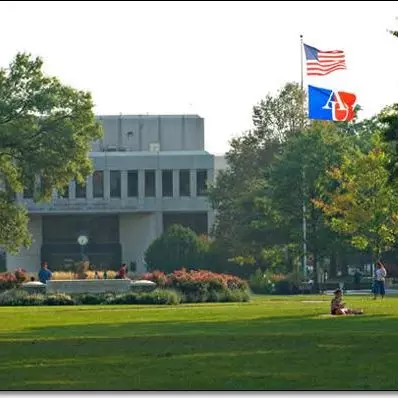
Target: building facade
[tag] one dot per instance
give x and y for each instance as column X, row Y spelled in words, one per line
column 150, row 172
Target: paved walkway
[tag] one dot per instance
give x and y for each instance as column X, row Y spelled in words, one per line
column 389, row 292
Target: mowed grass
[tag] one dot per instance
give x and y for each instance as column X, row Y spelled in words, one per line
column 271, row 343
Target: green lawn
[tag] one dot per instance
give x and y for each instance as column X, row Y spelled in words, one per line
column 271, row 343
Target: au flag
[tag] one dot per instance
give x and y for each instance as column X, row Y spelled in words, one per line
column 325, row 104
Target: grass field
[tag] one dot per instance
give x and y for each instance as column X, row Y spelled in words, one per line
column 271, row 343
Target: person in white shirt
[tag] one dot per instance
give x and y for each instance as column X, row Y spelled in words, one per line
column 379, row 283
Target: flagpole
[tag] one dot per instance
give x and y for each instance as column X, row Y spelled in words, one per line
column 304, row 210
column 302, row 61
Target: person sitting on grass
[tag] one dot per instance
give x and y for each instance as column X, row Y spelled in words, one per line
column 338, row 307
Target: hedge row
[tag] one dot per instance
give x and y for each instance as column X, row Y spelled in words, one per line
column 16, row 297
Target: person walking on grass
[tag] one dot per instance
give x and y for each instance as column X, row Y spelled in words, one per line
column 380, row 280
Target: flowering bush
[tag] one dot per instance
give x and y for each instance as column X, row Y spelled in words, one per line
column 200, row 285
column 10, row 280
column 159, row 277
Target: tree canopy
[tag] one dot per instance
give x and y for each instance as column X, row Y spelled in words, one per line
column 46, row 131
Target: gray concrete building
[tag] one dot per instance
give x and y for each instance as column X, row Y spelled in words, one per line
column 150, row 172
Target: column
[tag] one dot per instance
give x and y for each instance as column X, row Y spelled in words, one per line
column 193, row 183
column 123, row 181
column 72, row 190
column 107, row 184
column 158, row 184
column 176, row 183
column 89, row 187
column 141, row 185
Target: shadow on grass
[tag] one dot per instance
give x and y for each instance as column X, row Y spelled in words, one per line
column 280, row 353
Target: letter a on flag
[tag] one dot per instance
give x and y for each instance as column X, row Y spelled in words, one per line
column 325, row 104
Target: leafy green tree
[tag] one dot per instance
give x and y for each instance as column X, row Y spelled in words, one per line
column 46, row 130
column 363, row 203
column 298, row 174
column 275, row 119
column 178, row 247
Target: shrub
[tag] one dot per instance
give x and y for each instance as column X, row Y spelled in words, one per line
column 90, row 298
column 11, row 280
column 159, row 296
column 261, row 283
column 230, row 295
column 59, row 299
column 7, row 281
column 18, row 297
column 33, row 299
column 12, row 297
column 158, row 277
column 286, row 286
column 175, row 248
column 199, row 286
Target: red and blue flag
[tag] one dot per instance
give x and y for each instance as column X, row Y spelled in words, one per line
column 325, row 104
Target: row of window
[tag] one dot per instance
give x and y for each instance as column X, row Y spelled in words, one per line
column 132, row 184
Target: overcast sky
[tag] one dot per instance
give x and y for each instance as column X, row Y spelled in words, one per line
column 215, row 59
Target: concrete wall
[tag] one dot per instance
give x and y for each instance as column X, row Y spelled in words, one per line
column 28, row 259
column 137, row 132
column 220, row 163
column 140, row 161
column 88, row 286
column 137, row 231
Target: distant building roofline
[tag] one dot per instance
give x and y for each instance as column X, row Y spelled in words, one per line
column 150, row 115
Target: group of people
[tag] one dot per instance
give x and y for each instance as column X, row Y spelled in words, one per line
column 121, row 274
column 337, row 306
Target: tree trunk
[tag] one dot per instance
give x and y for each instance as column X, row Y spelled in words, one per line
column 317, row 284
column 333, row 265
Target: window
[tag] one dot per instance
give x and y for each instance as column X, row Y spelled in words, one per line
column 29, row 188
column 98, row 184
column 116, row 187
column 185, row 183
column 201, row 182
column 150, row 189
column 167, row 183
column 132, row 183
column 80, row 190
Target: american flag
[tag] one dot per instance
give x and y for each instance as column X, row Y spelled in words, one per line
column 321, row 63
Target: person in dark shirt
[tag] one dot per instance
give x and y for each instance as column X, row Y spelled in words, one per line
column 337, row 306
column 44, row 274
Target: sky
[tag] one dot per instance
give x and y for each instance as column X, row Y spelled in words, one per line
column 214, row 59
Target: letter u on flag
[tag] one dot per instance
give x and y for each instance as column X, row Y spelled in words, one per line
column 325, row 104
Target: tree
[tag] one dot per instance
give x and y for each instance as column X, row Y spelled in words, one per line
column 46, row 130
column 388, row 123
column 275, row 120
column 178, row 247
column 363, row 203
column 298, row 174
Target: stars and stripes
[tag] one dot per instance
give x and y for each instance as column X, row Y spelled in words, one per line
column 321, row 63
